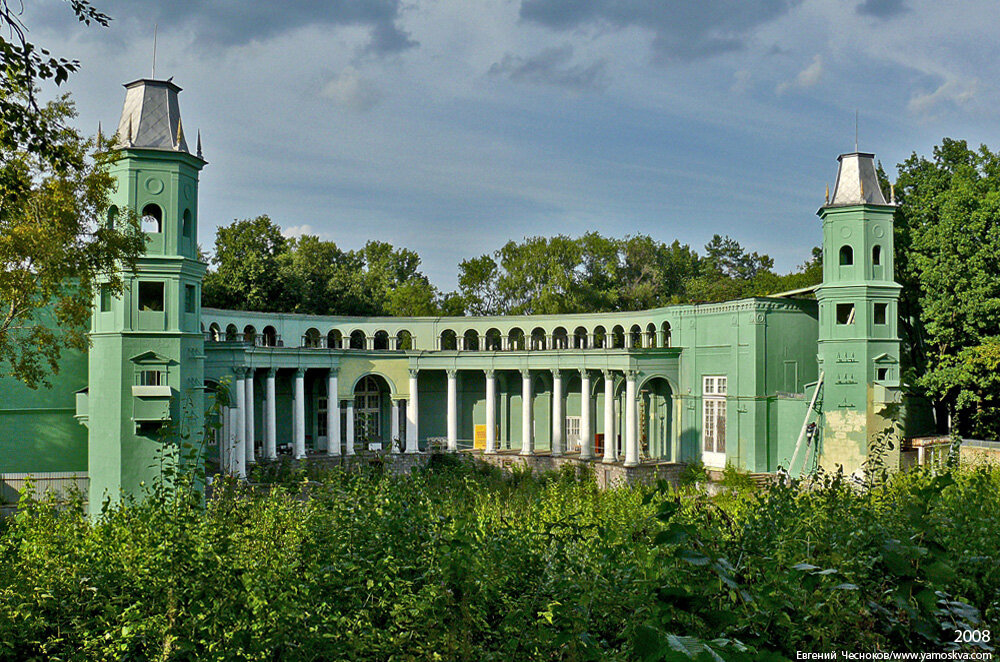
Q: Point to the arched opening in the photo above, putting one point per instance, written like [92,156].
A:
[471,339]
[492,340]
[877,255]
[404,340]
[580,338]
[636,335]
[665,334]
[371,412]
[617,337]
[600,337]
[846,256]
[656,418]
[358,339]
[381,340]
[112,217]
[449,340]
[249,334]
[311,339]
[515,338]
[232,333]
[650,335]
[152,218]
[334,339]
[538,338]
[214,332]
[269,337]
[187,227]
[560,338]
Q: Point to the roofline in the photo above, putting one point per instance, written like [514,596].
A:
[156,81]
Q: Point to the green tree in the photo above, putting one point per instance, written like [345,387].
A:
[310,271]
[56,247]
[948,260]
[247,274]
[28,128]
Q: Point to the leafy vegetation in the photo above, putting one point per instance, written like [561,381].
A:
[458,561]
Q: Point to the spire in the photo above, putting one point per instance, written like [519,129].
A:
[180,135]
[199,144]
[98,136]
[857,181]
[151,116]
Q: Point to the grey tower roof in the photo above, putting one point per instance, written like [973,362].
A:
[151,117]
[857,183]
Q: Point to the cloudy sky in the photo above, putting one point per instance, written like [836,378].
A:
[451,126]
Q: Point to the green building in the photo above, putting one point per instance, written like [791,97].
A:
[729,383]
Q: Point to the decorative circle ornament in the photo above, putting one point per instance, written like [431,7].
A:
[188,192]
[878,231]
[845,232]
[154,185]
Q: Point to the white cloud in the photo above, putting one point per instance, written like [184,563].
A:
[293,231]
[350,90]
[805,78]
[952,91]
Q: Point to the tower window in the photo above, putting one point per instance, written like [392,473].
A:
[112,216]
[846,256]
[152,219]
[187,229]
[189,298]
[150,378]
[105,297]
[845,313]
[877,255]
[881,313]
[151,296]
[881,374]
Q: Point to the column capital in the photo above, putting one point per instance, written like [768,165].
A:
[240,371]
[490,374]
[632,375]
[452,373]
[608,374]
[525,373]
[300,372]
[414,372]
[333,372]
[272,372]
[584,373]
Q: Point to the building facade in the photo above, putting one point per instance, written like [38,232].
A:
[734,383]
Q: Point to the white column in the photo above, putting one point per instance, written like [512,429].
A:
[332,414]
[350,427]
[300,414]
[271,418]
[491,412]
[394,428]
[412,445]
[248,392]
[586,436]
[631,439]
[609,417]
[452,410]
[527,445]
[557,414]
[239,468]
[240,438]
[225,443]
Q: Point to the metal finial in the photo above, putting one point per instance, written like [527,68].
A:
[892,193]
[827,194]
[153,74]
[98,136]
[855,129]
[199,143]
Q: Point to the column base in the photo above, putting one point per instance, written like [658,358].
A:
[631,464]
[608,460]
[526,452]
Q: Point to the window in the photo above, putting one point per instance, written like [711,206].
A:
[845,313]
[152,219]
[112,216]
[881,374]
[846,256]
[321,408]
[572,431]
[368,410]
[150,296]
[187,229]
[190,298]
[881,313]
[105,297]
[714,393]
[151,378]
[877,255]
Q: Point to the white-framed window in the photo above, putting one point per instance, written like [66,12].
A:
[321,409]
[713,431]
[572,431]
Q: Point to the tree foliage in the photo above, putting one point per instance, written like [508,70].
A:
[948,260]
[55,248]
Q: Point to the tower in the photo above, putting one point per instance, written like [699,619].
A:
[858,302]
[146,371]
